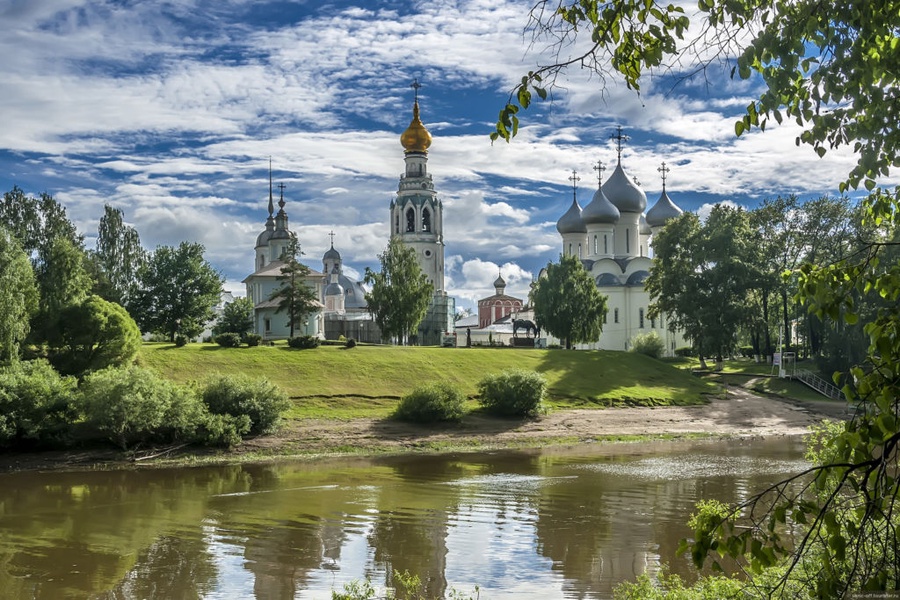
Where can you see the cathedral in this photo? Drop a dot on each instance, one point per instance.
(612, 237)
(416, 217)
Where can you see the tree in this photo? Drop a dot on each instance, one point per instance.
(178, 290)
(93, 335)
(701, 277)
(63, 281)
(294, 296)
(567, 303)
(236, 317)
(18, 296)
(36, 222)
(118, 256)
(400, 292)
(833, 72)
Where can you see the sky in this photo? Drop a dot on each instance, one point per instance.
(171, 111)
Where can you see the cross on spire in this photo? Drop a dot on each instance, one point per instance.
(281, 187)
(620, 138)
(271, 207)
(415, 85)
(599, 167)
(663, 170)
(574, 179)
(331, 234)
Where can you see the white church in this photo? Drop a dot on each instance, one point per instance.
(612, 236)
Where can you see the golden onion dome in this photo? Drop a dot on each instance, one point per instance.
(416, 138)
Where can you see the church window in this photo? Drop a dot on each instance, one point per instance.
(616, 316)
(627, 241)
(267, 326)
(579, 250)
(397, 224)
(410, 220)
(570, 249)
(426, 220)
(605, 245)
(641, 318)
(642, 249)
(595, 244)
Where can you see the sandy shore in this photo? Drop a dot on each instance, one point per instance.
(739, 413)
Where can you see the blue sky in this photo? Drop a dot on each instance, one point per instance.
(171, 110)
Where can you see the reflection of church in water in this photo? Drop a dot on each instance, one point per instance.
(416, 218)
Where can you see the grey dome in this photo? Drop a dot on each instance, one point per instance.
(332, 254)
(600, 210)
(623, 192)
(355, 295)
(645, 226)
(571, 222)
(499, 283)
(662, 211)
(334, 289)
(637, 278)
(607, 280)
(264, 238)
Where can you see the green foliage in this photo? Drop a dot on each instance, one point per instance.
(224, 429)
(513, 393)
(648, 343)
(236, 317)
(567, 303)
(228, 340)
(178, 290)
(400, 291)
(432, 403)
(18, 296)
(63, 281)
(180, 341)
(295, 296)
(257, 399)
(304, 342)
(252, 339)
(672, 587)
(36, 403)
(350, 343)
(134, 405)
(118, 256)
(94, 335)
(685, 351)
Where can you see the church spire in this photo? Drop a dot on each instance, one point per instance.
(416, 138)
(271, 206)
(620, 141)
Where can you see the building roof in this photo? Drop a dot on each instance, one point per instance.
(624, 193)
(600, 210)
(571, 221)
(662, 211)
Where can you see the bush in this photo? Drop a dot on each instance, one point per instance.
(514, 393)
(36, 403)
(135, 405)
(180, 341)
(432, 403)
(228, 340)
(225, 430)
(648, 343)
(747, 351)
(304, 342)
(252, 339)
(351, 343)
(238, 395)
(685, 352)
(94, 335)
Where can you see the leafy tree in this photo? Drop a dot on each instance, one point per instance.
(63, 281)
(294, 296)
(567, 303)
(701, 277)
(94, 335)
(118, 256)
(832, 70)
(236, 317)
(36, 403)
(178, 290)
(400, 292)
(36, 222)
(18, 296)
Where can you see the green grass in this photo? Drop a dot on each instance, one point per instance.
(333, 382)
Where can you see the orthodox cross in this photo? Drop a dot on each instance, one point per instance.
(599, 167)
(331, 234)
(574, 179)
(415, 85)
(663, 170)
(281, 187)
(620, 138)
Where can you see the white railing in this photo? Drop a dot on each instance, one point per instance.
(819, 384)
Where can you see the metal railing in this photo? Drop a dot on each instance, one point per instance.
(817, 383)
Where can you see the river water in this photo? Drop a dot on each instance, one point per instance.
(552, 523)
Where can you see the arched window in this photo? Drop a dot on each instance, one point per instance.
(641, 318)
(627, 241)
(605, 245)
(570, 249)
(595, 244)
(616, 316)
(426, 220)
(579, 250)
(410, 220)
(397, 224)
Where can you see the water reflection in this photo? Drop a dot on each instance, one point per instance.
(519, 524)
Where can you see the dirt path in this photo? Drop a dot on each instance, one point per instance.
(740, 413)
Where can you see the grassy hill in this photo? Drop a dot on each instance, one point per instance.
(335, 382)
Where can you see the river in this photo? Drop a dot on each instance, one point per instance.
(552, 523)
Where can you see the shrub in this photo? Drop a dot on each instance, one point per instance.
(180, 341)
(225, 430)
(685, 352)
(135, 405)
(513, 393)
(228, 340)
(351, 343)
(36, 403)
(648, 343)
(304, 342)
(432, 403)
(252, 339)
(94, 335)
(238, 395)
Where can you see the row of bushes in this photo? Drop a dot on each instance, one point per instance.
(131, 406)
(233, 340)
(514, 393)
